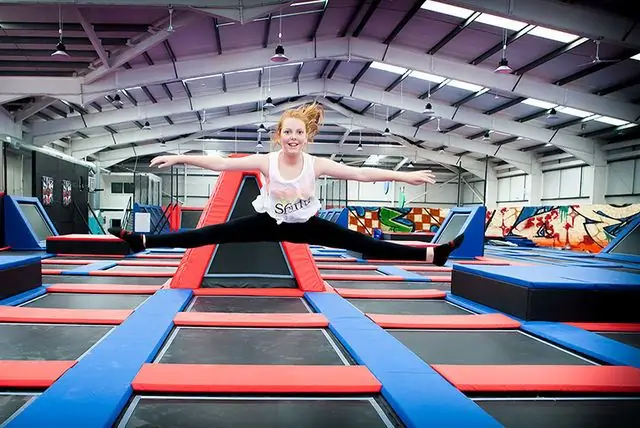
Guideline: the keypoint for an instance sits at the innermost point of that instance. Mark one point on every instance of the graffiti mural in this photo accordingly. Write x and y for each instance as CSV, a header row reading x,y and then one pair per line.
x,y
587,228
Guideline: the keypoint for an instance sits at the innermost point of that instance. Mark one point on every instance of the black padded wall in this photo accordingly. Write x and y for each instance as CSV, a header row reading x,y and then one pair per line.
x,y
66,219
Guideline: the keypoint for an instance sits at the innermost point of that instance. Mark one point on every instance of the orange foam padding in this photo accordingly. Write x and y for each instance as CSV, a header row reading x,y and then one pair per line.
x,y
625,327
355,293
51,271
148,263
347,267
427,268
103,288
541,378
67,262
361,277
254,379
275,292
327,259
444,321
225,319
138,274
443,278
31,374
303,266
63,316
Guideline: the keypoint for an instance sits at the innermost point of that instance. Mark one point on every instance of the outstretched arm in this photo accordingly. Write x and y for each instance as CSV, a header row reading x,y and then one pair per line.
x,y
345,172
214,162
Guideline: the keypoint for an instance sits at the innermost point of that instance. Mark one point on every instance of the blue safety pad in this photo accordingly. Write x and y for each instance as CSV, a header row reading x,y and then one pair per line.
x,y
25,296
470,304
408,276
417,393
565,277
10,262
94,392
84,270
585,342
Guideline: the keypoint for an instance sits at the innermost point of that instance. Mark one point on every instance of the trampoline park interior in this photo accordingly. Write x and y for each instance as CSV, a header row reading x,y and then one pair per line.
x,y
510,332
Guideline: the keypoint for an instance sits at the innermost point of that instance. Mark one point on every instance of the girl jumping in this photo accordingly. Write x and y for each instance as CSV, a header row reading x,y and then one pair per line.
x,y
287,205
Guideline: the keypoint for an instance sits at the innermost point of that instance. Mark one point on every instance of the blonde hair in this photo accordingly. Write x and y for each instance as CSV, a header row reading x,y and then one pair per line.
x,y
310,114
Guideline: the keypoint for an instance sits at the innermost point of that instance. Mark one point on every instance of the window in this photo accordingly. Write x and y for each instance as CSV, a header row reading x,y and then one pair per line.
x,y
116,187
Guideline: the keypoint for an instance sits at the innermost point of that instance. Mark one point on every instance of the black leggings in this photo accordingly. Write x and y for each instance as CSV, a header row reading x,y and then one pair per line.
x,y
261,228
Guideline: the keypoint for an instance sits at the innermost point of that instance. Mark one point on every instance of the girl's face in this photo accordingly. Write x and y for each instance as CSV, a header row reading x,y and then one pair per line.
x,y
293,135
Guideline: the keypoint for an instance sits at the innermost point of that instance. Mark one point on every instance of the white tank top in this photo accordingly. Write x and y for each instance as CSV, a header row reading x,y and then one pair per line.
x,y
289,201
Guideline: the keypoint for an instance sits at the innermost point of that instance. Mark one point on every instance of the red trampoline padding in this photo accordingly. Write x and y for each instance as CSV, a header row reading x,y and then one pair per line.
x,y
84,237
103,288
303,267
5,248
347,267
225,319
273,292
623,327
355,293
51,271
67,262
540,378
31,374
136,274
157,256
228,378
443,278
63,316
361,277
148,263
444,321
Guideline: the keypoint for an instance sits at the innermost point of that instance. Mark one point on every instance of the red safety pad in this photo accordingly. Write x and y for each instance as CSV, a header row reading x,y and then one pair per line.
x,y
355,293
225,319
542,378
67,262
334,259
50,271
31,374
157,256
442,278
607,327
303,266
347,267
483,321
103,288
254,379
63,316
5,248
84,237
129,274
148,263
91,256
362,277
274,292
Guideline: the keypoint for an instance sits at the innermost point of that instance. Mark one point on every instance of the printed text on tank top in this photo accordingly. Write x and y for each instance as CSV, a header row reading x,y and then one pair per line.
x,y
290,195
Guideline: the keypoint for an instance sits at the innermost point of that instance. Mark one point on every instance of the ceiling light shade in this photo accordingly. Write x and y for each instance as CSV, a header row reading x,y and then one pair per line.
x,y
486,136
146,126
359,148
269,103
279,56
259,145
61,50
261,128
410,165
552,114
503,67
428,109
386,132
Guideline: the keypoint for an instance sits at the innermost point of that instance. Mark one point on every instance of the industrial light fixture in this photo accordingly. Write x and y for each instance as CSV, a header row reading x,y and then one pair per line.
x,y
553,114
410,164
386,132
503,65
146,126
61,49
261,128
259,145
428,109
486,136
117,100
359,148
280,56
269,103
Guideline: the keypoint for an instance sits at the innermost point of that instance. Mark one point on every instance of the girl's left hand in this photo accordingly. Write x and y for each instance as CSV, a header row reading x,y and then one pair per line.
x,y
420,177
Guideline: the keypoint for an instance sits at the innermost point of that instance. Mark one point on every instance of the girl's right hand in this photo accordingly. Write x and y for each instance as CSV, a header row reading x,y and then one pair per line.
x,y
164,161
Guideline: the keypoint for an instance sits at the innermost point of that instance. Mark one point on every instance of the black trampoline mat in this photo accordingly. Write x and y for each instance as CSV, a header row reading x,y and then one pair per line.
x,y
86,279
196,412
88,301
564,412
62,267
390,285
509,347
349,272
631,339
48,341
10,253
250,346
245,304
11,403
408,307
169,269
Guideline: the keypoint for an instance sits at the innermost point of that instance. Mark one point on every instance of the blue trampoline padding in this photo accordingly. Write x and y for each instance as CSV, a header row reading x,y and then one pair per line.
x,y
408,276
585,342
94,392
417,393
25,296
10,262
84,270
470,304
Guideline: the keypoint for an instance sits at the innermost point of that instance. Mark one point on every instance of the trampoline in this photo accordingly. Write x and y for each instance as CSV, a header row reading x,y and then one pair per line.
x,y
162,269
408,307
241,304
87,301
195,412
390,285
563,412
349,272
88,279
48,342
484,347
230,345
11,402
631,339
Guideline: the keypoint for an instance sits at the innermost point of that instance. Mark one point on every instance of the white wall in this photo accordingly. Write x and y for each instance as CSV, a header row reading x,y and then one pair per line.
x,y
194,191
623,182
19,174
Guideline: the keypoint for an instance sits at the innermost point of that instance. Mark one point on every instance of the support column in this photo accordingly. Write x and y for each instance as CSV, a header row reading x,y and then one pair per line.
x,y
535,185
491,196
600,172
9,130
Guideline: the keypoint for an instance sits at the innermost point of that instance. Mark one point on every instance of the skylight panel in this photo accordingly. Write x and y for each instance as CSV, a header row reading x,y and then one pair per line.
x,y
192,79
248,70
548,33
464,85
426,76
304,3
500,22
539,103
611,121
374,159
574,112
387,67
446,9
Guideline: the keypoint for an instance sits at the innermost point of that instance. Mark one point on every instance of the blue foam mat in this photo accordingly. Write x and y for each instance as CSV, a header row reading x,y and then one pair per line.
x,y
94,392
84,270
416,392
23,297
397,271
10,262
